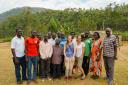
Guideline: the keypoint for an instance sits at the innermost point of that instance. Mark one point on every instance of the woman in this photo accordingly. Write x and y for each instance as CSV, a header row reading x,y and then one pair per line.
x,y
79,55
96,66
69,53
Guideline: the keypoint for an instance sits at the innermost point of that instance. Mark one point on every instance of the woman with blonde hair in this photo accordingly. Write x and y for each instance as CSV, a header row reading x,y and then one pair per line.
x,y
69,53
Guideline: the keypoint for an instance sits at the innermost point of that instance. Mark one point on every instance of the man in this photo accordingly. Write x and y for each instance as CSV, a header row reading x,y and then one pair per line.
x,y
18,49
110,54
45,49
32,53
86,58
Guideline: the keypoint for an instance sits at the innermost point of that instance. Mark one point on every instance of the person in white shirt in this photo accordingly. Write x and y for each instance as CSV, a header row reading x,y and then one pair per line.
x,y
46,50
79,55
18,49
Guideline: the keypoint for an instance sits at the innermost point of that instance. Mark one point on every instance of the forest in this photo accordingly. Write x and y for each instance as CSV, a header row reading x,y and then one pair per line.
x,y
79,20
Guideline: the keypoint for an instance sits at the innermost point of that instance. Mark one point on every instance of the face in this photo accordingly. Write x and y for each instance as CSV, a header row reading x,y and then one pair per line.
x,y
45,38
86,35
54,36
69,38
108,33
33,33
95,36
79,39
19,32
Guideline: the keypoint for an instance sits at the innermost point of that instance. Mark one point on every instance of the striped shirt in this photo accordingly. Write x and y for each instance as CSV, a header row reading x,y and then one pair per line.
x,y
108,46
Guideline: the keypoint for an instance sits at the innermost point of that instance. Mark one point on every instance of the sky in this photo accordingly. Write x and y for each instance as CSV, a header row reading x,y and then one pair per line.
x,y
6,5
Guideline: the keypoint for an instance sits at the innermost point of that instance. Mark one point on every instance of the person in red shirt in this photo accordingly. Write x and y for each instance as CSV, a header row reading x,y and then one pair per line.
x,y
32,53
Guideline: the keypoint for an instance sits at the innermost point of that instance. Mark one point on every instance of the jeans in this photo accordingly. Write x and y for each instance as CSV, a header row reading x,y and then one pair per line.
x,y
22,64
32,60
56,70
45,67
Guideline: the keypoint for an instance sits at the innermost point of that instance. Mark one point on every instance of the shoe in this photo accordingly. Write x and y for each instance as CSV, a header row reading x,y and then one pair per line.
x,y
19,82
28,82
66,78
35,81
70,77
49,79
83,77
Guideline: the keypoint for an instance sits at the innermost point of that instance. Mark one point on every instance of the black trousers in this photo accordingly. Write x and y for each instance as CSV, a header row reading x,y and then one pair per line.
x,y
85,65
56,70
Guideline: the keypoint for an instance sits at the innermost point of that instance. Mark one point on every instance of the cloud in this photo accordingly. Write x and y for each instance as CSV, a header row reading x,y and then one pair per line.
x,y
6,5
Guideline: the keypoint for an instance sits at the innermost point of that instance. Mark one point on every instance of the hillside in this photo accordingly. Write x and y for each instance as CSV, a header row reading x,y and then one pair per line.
x,y
17,11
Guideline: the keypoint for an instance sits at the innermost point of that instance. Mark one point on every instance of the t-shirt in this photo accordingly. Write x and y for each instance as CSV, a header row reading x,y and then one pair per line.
x,y
57,55
79,49
51,41
70,50
18,45
32,46
88,43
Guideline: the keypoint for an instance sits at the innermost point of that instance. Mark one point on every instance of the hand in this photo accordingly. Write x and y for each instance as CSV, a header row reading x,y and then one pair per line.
x,y
16,61
26,60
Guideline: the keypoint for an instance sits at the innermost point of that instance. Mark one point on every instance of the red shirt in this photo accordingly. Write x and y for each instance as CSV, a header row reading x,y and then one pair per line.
x,y
32,46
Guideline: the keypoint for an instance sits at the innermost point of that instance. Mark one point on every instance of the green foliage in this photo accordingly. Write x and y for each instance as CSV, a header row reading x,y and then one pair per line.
x,y
78,20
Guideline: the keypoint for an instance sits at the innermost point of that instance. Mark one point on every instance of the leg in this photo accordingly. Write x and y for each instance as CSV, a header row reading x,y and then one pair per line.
x,y
71,63
17,71
111,68
35,61
23,64
58,70
87,65
29,68
48,62
84,65
67,67
43,62
106,66
54,70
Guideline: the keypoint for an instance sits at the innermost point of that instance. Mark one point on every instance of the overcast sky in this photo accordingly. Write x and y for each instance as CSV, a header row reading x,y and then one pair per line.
x,y
6,5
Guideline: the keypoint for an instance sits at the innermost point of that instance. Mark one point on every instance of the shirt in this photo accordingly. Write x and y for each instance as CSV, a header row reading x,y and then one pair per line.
x,y
88,44
70,50
63,42
51,41
108,46
57,55
45,50
79,49
32,46
18,45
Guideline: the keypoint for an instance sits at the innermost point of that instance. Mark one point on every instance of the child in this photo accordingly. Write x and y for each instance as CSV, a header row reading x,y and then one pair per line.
x,y
57,59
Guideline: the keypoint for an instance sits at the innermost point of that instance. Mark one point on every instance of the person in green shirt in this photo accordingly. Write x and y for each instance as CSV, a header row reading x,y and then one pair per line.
x,y
86,58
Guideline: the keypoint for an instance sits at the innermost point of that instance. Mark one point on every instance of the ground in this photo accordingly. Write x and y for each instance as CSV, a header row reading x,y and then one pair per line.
x,y
7,76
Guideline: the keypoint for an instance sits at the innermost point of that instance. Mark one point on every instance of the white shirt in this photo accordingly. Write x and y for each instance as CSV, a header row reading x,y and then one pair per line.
x,y
18,44
79,49
45,49
51,41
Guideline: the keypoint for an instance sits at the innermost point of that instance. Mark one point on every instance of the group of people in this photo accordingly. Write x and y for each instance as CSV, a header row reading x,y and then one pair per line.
x,y
53,55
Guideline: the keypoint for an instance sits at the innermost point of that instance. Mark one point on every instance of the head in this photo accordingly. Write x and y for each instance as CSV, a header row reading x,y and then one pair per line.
x,y
79,38
96,35
57,42
69,39
18,32
39,36
72,34
86,34
108,31
62,35
58,34
82,36
49,35
53,35
46,38
33,33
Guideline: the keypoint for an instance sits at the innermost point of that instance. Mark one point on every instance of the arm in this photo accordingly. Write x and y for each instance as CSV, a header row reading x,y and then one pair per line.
x,y
40,49
51,51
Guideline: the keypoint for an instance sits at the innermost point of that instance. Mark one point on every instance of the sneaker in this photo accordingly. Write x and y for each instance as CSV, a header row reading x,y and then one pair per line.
x,y
19,82
43,79
49,79
83,77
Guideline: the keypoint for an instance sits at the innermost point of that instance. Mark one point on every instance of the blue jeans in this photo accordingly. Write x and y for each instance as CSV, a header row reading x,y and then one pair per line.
x,y
32,60
22,63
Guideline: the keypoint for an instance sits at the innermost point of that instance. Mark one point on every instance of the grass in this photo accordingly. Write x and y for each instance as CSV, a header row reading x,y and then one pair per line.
x,y
7,73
